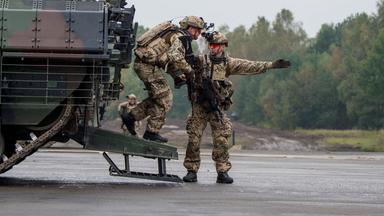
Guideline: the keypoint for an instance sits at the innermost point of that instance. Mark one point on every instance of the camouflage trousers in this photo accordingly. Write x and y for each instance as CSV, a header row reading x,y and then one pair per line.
x,y
159,100
221,132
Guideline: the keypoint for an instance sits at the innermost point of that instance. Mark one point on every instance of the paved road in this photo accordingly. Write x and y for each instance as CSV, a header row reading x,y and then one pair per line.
x,y
77,183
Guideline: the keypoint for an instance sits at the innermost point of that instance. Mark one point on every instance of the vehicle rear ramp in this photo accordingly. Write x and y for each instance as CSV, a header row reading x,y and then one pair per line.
x,y
108,141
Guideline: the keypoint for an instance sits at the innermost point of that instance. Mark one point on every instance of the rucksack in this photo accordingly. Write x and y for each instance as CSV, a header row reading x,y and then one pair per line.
x,y
154,43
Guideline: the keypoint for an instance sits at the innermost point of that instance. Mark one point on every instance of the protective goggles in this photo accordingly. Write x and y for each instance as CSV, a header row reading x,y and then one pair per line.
x,y
214,46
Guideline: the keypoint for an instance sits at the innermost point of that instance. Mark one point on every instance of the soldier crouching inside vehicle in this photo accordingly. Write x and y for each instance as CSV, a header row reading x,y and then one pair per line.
x,y
210,94
125,108
162,46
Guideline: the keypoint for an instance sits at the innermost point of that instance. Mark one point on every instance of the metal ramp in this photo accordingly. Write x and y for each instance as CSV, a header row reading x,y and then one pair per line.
x,y
109,141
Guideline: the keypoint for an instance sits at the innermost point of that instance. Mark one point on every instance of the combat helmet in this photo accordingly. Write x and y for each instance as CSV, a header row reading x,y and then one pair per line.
x,y
131,96
218,38
194,21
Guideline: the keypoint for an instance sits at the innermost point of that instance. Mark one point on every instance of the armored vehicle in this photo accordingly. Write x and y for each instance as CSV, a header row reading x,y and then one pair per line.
x,y
60,59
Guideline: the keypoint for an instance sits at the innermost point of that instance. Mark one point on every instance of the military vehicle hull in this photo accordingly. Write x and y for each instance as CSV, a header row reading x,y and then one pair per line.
x,y
60,59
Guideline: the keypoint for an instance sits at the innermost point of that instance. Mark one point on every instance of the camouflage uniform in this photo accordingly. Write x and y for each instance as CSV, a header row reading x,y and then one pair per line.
x,y
169,53
124,108
221,126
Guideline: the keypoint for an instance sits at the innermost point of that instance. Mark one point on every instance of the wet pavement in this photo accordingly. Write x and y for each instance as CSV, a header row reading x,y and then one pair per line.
x,y
77,183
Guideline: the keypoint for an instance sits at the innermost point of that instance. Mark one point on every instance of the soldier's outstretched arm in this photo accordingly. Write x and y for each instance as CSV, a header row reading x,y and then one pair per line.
x,y
176,56
245,67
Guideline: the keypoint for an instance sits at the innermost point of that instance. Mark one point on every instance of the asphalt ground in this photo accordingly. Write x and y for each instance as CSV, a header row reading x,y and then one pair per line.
x,y
76,182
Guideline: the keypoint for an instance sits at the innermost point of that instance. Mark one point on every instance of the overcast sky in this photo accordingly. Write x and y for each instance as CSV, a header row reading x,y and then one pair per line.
x,y
311,13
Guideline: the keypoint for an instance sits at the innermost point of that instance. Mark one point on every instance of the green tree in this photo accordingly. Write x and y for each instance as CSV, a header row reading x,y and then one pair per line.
x,y
357,37
265,104
371,81
327,36
380,14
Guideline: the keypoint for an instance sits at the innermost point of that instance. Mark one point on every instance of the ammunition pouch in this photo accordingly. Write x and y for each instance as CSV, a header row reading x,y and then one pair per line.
x,y
154,53
227,92
145,55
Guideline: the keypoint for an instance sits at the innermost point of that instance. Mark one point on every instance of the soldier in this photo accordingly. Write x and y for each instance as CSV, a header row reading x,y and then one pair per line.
x,y
126,107
210,93
165,45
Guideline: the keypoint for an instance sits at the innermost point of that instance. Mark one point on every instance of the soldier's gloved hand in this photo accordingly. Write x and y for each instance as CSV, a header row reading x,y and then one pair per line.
x,y
180,81
189,75
281,63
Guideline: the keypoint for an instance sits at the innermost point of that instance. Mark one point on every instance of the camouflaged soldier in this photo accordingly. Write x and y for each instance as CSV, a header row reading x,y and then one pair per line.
x,y
125,108
165,45
210,93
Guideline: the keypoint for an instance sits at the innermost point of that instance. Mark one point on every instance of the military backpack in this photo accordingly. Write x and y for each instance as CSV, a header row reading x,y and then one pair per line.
x,y
153,44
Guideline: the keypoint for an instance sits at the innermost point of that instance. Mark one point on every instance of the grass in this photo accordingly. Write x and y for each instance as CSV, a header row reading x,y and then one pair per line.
x,y
372,141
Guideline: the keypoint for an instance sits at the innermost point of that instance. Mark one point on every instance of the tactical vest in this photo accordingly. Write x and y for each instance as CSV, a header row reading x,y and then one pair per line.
x,y
153,44
211,85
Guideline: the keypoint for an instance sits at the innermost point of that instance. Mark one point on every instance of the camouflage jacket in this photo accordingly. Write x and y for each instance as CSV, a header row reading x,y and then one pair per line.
x,y
217,71
176,55
164,48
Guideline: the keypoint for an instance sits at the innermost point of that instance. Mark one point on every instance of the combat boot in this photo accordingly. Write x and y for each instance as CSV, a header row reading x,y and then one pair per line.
x,y
223,178
129,122
154,137
190,177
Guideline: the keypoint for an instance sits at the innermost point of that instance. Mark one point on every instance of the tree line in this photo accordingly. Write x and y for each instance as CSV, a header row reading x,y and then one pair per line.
x,y
336,80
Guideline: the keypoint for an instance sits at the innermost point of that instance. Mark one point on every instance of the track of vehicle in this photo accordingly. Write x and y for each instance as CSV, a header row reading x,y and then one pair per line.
x,y
25,151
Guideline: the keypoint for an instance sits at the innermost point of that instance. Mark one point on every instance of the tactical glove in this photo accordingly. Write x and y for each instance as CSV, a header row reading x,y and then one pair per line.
x,y
281,63
179,81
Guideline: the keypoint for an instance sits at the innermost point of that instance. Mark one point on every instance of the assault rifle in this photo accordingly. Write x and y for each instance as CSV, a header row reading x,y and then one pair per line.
x,y
205,95
208,97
